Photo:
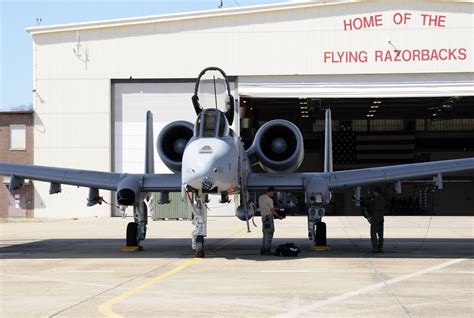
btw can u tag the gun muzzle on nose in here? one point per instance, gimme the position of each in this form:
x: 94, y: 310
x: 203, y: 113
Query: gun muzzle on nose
x: 207, y: 183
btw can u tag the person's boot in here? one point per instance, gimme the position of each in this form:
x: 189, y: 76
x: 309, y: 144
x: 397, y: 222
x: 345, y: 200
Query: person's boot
x: 269, y: 252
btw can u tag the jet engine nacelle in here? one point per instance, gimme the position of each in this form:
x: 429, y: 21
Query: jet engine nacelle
x: 278, y: 146
x: 172, y: 141
x: 128, y: 190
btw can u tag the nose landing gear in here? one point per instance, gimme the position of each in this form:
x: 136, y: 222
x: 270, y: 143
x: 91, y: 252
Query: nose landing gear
x: 200, y: 246
x: 200, y: 221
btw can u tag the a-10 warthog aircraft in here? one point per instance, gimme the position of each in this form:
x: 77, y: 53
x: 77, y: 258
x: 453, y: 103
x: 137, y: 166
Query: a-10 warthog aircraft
x: 208, y: 158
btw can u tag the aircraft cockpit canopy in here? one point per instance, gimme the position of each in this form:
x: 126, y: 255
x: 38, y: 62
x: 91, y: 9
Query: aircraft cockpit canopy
x: 212, y: 91
x: 211, y: 123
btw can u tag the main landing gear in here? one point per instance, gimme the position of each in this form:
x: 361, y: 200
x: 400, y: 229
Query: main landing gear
x: 316, y: 227
x: 136, y: 231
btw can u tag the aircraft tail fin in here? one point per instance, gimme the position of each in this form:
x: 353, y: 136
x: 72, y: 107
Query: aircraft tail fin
x: 328, y: 142
x: 149, y: 155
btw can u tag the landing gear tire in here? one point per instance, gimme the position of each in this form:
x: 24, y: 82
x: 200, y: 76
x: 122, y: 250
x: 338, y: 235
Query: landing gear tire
x: 320, y: 239
x: 132, y: 234
x: 200, y: 246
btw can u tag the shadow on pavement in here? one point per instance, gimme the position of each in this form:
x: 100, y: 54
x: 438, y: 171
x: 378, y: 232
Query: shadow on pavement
x: 246, y: 248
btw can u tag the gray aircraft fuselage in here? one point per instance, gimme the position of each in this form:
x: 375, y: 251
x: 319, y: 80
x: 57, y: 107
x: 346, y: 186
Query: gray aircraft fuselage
x: 212, y: 161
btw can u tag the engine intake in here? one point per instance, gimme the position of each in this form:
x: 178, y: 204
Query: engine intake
x: 278, y: 146
x: 172, y: 141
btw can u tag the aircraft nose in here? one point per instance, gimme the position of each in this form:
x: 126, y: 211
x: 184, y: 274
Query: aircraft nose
x: 199, y: 180
x: 203, y: 163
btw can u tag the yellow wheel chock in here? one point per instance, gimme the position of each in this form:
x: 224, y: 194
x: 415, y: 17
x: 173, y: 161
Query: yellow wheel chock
x: 324, y: 248
x: 131, y: 248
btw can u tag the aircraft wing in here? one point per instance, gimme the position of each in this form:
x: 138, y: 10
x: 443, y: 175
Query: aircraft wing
x: 91, y: 179
x: 359, y: 177
x: 281, y: 181
x: 161, y: 182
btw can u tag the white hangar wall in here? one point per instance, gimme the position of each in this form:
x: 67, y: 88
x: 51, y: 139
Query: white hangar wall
x: 72, y: 130
x: 282, y: 42
x: 74, y: 65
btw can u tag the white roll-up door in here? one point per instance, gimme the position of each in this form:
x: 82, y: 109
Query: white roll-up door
x: 358, y: 86
x: 168, y: 100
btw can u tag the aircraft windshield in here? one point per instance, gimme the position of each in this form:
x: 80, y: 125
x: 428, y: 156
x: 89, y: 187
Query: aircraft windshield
x: 211, y: 123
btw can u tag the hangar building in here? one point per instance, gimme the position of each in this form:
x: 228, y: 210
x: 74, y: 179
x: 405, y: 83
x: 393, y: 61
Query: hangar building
x: 398, y: 77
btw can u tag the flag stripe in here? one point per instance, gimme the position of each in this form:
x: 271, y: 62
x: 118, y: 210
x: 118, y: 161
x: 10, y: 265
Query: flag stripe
x: 386, y: 137
x: 382, y: 156
x: 386, y: 147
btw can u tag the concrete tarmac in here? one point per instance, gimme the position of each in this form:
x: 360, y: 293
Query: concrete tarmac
x: 74, y: 268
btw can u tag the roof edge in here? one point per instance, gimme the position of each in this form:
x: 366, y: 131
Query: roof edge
x: 3, y: 112
x: 181, y: 16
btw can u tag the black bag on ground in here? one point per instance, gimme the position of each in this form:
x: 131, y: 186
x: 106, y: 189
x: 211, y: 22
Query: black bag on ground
x: 288, y: 250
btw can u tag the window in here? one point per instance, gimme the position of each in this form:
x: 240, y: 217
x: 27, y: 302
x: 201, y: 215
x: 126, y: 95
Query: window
x: 210, y: 123
x: 197, y: 129
x: 223, y: 126
x: 213, y: 124
x: 17, y: 137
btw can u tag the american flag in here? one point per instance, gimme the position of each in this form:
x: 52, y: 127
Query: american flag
x: 344, y: 146
x: 373, y: 147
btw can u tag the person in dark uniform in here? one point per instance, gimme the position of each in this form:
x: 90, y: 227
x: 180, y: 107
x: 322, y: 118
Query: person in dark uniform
x: 376, y: 212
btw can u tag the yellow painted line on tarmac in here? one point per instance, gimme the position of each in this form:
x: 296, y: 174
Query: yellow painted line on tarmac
x: 106, y: 308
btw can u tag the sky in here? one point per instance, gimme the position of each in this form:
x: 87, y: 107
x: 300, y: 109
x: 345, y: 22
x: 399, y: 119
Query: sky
x: 16, y: 45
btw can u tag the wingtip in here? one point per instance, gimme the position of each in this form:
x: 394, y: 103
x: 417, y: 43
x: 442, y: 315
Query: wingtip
x: 149, y: 115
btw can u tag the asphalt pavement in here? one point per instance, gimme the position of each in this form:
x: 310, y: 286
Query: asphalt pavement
x: 74, y: 268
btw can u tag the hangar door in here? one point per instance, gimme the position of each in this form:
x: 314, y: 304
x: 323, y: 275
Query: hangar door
x: 357, y: 86
x: 169, y: 100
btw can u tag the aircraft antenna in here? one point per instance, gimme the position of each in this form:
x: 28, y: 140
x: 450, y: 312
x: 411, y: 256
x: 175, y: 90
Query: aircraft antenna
x: 215, y: 90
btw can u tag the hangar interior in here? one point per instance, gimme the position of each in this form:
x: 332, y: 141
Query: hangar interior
x: 375, y: 131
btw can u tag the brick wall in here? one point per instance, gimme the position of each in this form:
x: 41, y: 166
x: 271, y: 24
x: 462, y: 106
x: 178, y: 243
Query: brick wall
x: 7, y: 200
x: 17, y: 156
